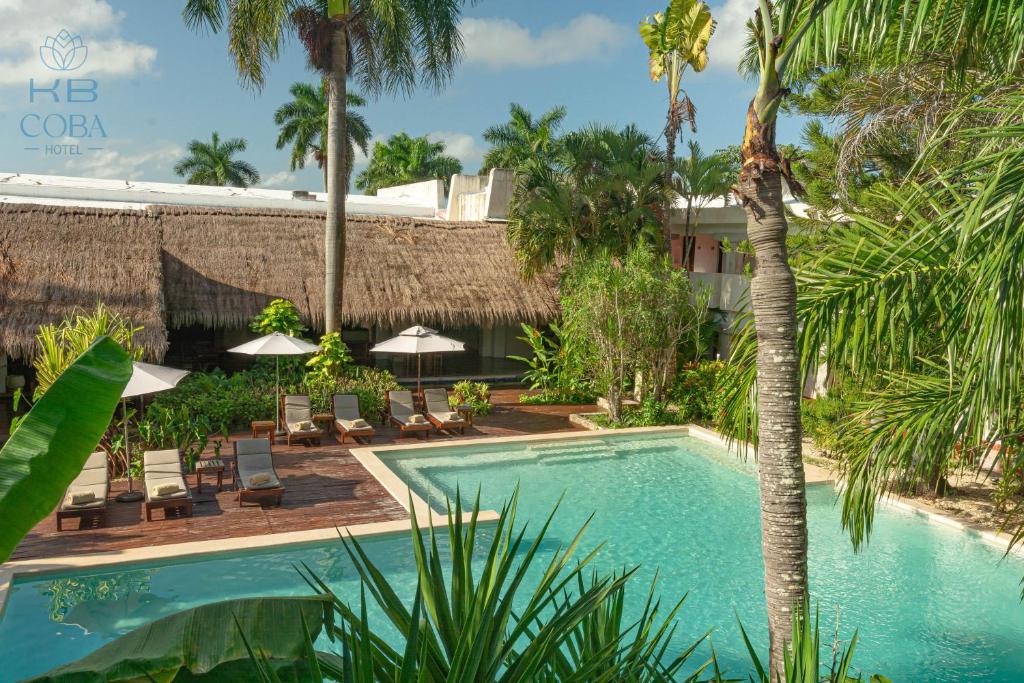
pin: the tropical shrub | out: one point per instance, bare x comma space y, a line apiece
557, 368
824, 416
280, 315
699, 392
332, 358
650, 413
477, 395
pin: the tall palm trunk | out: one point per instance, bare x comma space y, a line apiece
781, 470
334, 240
671, 131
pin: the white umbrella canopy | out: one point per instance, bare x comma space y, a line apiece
146, 379
418, 340
276, 344
149, 379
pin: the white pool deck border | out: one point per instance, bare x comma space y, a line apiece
370, 458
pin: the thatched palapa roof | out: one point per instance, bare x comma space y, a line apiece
57, 259
171, 266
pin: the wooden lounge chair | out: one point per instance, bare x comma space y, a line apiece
402, 414
91, 487
298, 420
347, 419
255, 476
439, 411
162, 469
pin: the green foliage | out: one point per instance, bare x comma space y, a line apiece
280, 315
213, 163
556, 368
209, 641
649, 413
371, 385
823, 417
177, 427
630, 316
61, 344
332, 359
232, 400
474, 394
522, 139
404, 159
700, 179
699, 391
51, 444
603, 193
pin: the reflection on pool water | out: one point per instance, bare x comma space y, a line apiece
929, 603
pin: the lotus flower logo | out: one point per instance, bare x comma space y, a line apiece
63, 52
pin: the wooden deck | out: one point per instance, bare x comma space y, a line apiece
325, 486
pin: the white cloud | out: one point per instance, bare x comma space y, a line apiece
502, 43
155, 159
285, 179
461, 146
726, 47
27, 23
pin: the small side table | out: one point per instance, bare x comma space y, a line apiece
327, 419
263, 428
209, 467
466, 413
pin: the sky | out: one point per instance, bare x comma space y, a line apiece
159, 85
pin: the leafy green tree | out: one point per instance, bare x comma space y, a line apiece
303, 125
404, 159
388, 46
280, 315
603, 194
213, 163
522, 138
677, 38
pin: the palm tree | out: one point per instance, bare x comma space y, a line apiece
386, 45
522, 138
698, 180
601, 194
404, 159
790, 38
211, 163
303, 123
675, 39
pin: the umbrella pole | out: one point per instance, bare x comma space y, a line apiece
131, 495
277, 396
419, 389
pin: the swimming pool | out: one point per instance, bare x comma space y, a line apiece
930, 603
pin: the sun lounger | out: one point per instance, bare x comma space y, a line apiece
165, 483
255, 477
298, 420
439, 411
347, 419
404, 416
90, 489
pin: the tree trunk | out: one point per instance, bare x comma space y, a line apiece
781, 470
670, 155
334, 236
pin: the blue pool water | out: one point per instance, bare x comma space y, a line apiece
929, 603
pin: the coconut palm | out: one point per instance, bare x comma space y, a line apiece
603, 192
303, 123
677, 38
698, 179
788, 39
405, 159
213, 163
387, 46
522, 138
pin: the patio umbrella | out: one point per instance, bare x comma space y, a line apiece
276, 344
146, 379
418, 340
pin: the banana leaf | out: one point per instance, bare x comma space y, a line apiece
218, 642
51, 444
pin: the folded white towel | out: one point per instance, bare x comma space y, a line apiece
360, 424
81, 497
304, 426
165, 489
257, 479
417, 419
